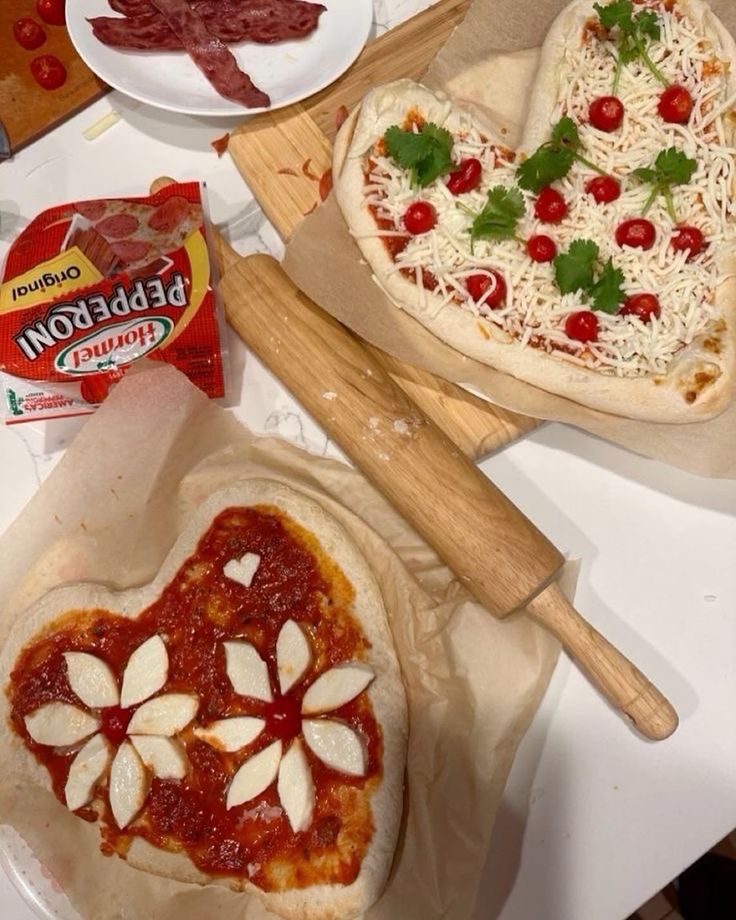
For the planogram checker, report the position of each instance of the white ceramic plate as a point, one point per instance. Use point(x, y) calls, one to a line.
point(287, 71)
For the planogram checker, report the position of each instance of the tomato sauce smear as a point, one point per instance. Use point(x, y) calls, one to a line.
point(194, 614)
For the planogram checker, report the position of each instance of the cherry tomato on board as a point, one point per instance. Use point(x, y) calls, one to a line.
point(478, 286)
point(582, 326)
point(604, 189)
point(541, 248)
point(466, 177)
point(419, 217)
point(52, 11)
point(675, 105)
point(645, 306)
point(688, 238)
point(48, 71)
point(606, 113)
point(550, 207)
point(28, 33)
point(638, 233)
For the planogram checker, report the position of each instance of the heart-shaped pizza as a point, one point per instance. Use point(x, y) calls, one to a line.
point(598, 261)
point(241, 719)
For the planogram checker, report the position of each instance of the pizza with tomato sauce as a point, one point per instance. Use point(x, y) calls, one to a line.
point(598, 260)
point(240, 720)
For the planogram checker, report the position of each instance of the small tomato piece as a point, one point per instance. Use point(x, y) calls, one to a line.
point(645, 306)
point(550, 207)
point(420, 217)
point(541, 248)
point(675, 105)
point(582, 326)
point(686, 239)
point(52, 11)
point(28, 33)
point(606, 113)
point(48, 71)
point(479, 285)
point(604, 189)
point(466, 177)
point(638, 233)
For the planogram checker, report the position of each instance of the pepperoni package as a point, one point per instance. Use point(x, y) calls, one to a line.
point(91, 287)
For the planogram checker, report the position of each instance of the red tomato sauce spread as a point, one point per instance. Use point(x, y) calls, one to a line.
point(195, 613)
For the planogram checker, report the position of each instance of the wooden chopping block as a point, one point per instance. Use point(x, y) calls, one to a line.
point(500, 556)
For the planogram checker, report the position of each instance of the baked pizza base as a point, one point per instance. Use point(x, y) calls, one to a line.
point(386, 694)
point(700, 380)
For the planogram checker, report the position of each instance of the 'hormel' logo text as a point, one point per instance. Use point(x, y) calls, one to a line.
point(65, 319)
point(114, 346)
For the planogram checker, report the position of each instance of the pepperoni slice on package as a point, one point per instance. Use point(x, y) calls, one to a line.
point(90, 288)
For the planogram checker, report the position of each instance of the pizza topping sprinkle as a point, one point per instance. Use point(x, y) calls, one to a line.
point(550, 207)
point(675, 105)
point(688, 239)
point(645, 306)
point(604, 189)
point(466, 177)
point(487, 289)
point(582, 326)
point(541, 248)
point(636, 233)
point(420, 217)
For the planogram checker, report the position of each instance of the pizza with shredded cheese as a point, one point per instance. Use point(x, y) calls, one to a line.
point(598, 260)
point(241, 720)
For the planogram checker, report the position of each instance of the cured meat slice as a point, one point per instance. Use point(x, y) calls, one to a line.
point(260, 21)
point(211, 54)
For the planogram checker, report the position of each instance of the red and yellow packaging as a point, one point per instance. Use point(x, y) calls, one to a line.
point(90, 288)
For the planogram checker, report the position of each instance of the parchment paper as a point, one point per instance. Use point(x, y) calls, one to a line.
point(110, 511)
point(490, 60)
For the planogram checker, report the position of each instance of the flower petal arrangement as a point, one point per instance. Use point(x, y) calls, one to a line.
point(243, 713)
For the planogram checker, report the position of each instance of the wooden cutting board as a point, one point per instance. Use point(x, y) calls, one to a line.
point(27, 110)
point(285, 157)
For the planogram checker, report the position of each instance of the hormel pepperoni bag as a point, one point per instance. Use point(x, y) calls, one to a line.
point(91, 287)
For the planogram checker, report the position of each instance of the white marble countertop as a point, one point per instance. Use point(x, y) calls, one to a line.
point(594, 820)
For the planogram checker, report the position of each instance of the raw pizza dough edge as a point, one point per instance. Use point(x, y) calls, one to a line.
point(386, 693)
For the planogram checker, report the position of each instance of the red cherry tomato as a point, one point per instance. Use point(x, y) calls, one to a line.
point(466, 177)
point(420, 217)
point(48, 71)
point(606, 113)
point(604, 189)
point(550, 206)
point(28, 33)
point(478, 286)
point(582, 326)
point(688, 238)
point(645, 306)
point(638, 233)
point(52, 11)
point(541, 248)
point(675, 105)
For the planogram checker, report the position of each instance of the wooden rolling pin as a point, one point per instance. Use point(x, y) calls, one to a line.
point(501, 557)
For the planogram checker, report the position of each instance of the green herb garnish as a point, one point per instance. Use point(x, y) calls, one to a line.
point(554, 159)
point(670, 168)
point(575, 270)
point(634, 33)
point(607, 293)
point(426, 154)
point(500, 215)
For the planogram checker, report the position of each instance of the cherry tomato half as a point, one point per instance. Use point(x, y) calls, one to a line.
point(420, 217)
point(675, 105)
point(550, 206)
point(638, 233)
point(582, 326)
point(645, 306)
point(48, 71)
point(606, 113)
point(541, 248)
point(478, 286)
point(52, 11)
point(604, 189)
point(28, 33)
point(466, 177)
point(688, 238)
